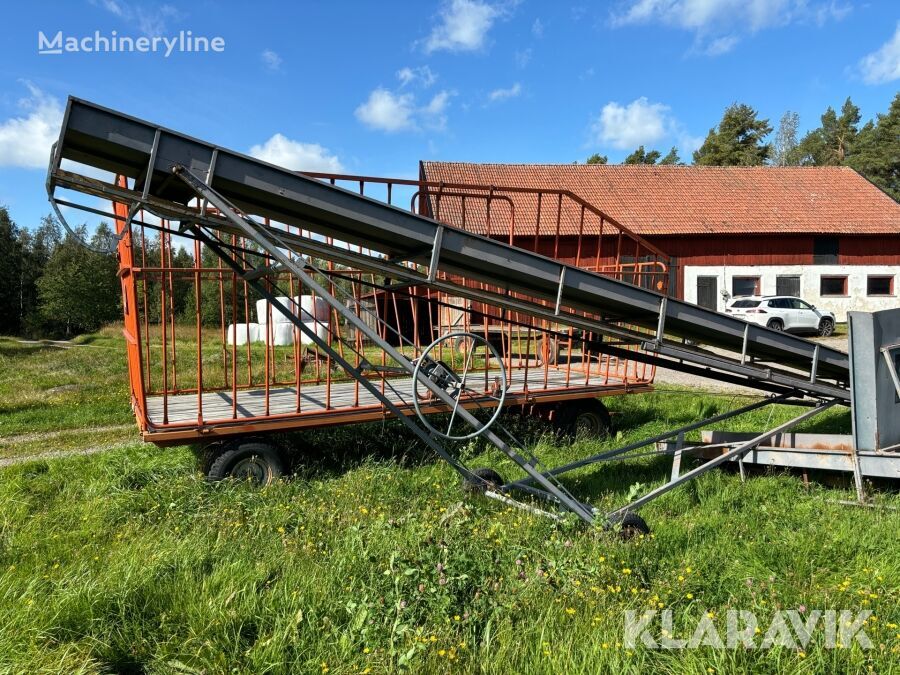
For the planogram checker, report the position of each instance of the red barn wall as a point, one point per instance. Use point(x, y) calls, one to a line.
point(772, 249)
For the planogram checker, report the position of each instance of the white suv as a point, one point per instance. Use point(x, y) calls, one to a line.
point(782, 312)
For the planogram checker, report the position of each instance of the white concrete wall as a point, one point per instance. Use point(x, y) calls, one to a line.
point(856, 298)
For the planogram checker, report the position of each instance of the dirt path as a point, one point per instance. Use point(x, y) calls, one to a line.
point(59, 454)
point(664, 376)
point(47, 435)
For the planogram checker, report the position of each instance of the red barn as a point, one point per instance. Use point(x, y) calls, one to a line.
point(823, 233)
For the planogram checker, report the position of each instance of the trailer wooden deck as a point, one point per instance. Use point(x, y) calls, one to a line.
point(183, 417)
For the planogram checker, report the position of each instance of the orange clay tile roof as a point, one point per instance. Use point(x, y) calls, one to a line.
point(682, 200)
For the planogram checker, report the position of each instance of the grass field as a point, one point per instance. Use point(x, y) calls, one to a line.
point(368, 559)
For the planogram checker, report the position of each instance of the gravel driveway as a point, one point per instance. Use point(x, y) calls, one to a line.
point(664, 376)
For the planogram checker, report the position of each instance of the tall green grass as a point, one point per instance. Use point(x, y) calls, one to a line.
point(369, 557)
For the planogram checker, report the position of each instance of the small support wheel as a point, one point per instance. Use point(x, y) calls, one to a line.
point(254, 461)
point(627, 525)
point(588, 418)
point(485, 479)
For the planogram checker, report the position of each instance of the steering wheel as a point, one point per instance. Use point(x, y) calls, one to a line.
point(469, 347)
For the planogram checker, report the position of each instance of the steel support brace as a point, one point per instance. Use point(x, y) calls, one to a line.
point(609, 454)
point(559, 292)
point(739, 451)
point(272, 244)
point(435, 254)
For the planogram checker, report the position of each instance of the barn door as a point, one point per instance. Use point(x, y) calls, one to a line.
point(708, 292)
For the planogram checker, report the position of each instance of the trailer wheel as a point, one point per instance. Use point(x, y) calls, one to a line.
point(583, 418)
point(259, 463)
point(628, 525)
point(485, 479)
point(548, 345)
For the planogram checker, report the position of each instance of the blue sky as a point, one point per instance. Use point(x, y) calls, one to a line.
point(372, 88)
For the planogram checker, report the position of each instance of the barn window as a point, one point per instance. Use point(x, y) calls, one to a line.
point(744, 286)
point(825, 251)
point(880, 285)
point(787, 285)
point(833, 286)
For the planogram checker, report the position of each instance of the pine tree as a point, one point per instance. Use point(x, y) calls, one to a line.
point(37, 248)
point(737, 141)
point(832, 143)
point(10, 274)
point(671, 158)
point(876, 150)
point(639, 156)
point(597, 158)
point(79, 289)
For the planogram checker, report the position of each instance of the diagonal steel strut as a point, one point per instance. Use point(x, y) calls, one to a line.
point(738, 451)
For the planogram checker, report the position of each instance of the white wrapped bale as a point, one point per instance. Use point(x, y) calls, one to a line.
point(311, 307)
point(282, 334)
point(262, 311)
point(241, 333)
point(321, 330)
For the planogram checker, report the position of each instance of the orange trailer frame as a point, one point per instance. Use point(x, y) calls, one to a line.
point(191, 380)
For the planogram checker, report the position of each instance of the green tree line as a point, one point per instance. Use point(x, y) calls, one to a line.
point(740, 139)
point(52, 285)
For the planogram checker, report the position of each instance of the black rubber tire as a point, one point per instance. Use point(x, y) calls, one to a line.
point(628, 525)
point(461, 345)
point(254, 461)
point(494, 480)
point(586, 417)
point(826, 327)
point(776, 324)
point(551, 344)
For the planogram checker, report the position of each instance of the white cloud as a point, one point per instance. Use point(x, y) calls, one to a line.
point(504, 94)
point(296, 156)
point(716, 23)
point(154, 23)
point(393, 111)
point(422, 76)
point(463, 27)
point(112, 6)
point(537, 28)
point(687, 144)
point(523, 58)
point(387, 111)
point(270, 59)
point(721, 45)
point(151, 22)
point(434, 115)
point(25, 141)
point(883, 65)
point(638, 123)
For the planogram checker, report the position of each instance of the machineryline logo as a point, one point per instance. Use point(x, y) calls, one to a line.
point(113, 43)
